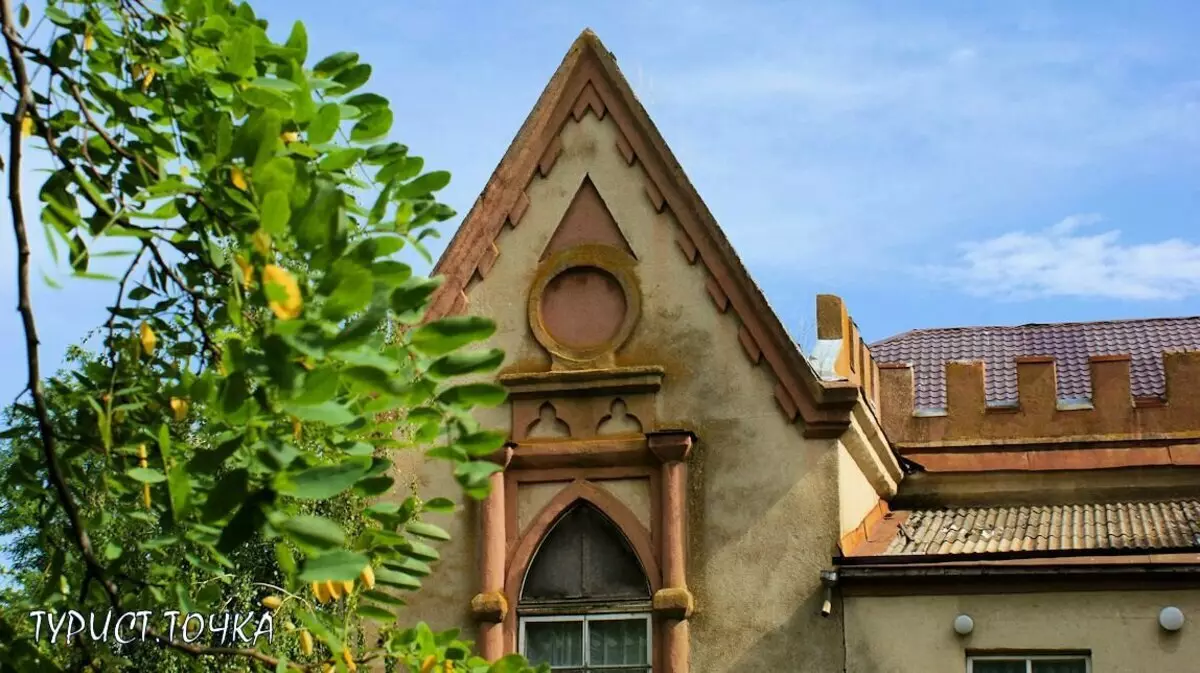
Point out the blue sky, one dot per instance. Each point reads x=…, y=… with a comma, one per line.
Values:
x=1030, y=162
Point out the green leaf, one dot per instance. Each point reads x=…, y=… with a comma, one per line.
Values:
x=448, y=334
x=439, y=505
x=473, y=395
x=333, y=64
x=427, y=530
x=403, y=168
x=423, y=186
x=229, y=491
x=313, y=532
x=268, y=98
x=353, y=77
x=336, y=566
x=375, y=613
x=373, y=486
x=298, y=42
x=275, y=213
x=420, y=550
x=383, y=597
x=374, y=125
x=239, y=56
x=391, y=578
x=320, y=385
x=23, y=15
x=242, y=527
x=340, y=159
x=482, y=443
x=349, y=288
x=324, y=125
x=58, y=17
x=146, y=475
x=326, y=481
x=409, y=566
x=329, y=413
x=473, y=477
x=468, y=362
x=413, y=294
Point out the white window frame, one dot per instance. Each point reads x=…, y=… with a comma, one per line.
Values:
x=1029, y=659
x=583, y=619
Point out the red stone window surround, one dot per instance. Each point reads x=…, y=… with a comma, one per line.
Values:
x=507, y=552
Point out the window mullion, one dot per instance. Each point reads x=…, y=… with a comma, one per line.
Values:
x=586, y=625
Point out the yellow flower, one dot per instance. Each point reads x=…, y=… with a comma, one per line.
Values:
x=289, y=137
x=146, y=495
x=288, y=307
x=272, y=602
x=26, y=126
x=148, y=338
x=89, y=42
x=306, y=642
x=180, y=407
x=238, y=177
x=297, y=429
x=262, y=242
x=427, y=665
x=141, y=453
x=320, y=591
x=348, y=587
x=334, y=589
x=246, y=268
x=349, y=659
x=367, y=577
x=448, y=666
x=147, y=80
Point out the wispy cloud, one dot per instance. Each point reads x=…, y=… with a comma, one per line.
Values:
x=1067, y=260
x=908, y=130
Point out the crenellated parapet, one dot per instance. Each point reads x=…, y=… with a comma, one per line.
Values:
x=840, y=352
x=1038, y=415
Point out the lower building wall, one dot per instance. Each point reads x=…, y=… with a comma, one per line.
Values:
x=915, y=634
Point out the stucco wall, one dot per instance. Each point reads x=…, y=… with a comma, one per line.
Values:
x=856, y=495
x=915, y=633
x=763, y=500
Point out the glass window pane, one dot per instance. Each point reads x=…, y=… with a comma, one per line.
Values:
x=559, y=644
x=1059, y=666
x=618, y=642
x=999, y=666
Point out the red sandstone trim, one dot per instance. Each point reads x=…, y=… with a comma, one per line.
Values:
x=625, y=148
x=518, y=209
x=637, y=535
x=686, y=247
x=588, y=100
x=655, y=195
x=720, y=299
x=550, y=156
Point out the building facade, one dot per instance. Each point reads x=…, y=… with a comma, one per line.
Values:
x=685, y=490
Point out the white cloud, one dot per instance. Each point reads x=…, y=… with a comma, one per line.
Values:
x=900, y=130
x=1067, y=260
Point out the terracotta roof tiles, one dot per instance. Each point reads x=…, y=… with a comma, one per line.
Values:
x=1070, y=344
x=1127, y=525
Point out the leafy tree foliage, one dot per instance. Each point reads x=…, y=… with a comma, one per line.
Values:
x=227, y=444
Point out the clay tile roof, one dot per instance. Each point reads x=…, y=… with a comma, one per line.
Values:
x=1070, y=344
x=1127, y=525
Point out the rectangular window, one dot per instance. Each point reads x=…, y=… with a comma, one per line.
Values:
x=577, y=643
x=1042, y=663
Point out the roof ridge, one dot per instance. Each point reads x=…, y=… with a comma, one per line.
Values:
x=1116, y=321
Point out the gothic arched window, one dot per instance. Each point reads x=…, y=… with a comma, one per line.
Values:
x=585, y=601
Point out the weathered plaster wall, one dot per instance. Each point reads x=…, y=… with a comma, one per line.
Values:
x=914, y=633
x=763, y=500
x=856, y=495
x=633, y=493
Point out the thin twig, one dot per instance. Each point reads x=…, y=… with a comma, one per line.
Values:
x=197, y=310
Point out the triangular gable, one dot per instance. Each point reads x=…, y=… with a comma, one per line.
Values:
x=588, y=80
